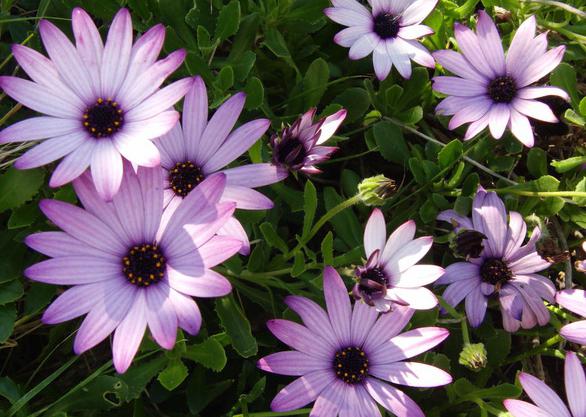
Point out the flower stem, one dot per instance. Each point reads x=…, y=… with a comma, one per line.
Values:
x=581, y=194
x=537, y=350
x=323, y=220
x=462, y=318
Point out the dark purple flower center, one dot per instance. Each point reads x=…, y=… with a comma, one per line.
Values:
x=372, y=283
x=103, y=119
x=289, y=152
x=184, y=177
x=144, y=265
x=387, y=25
x=468, y=243
x=351, y=365
x=495, y=271
x=502, y=89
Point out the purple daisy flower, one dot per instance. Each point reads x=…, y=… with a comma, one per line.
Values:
x=389, y=31
x=547, y=402
x=128, y=271
x=494, y=90
x=390, y=275
x=344, y=356
x=505, y=267
x=298, y=147
x=200, y=148
x=575, y=301
x=102, y=102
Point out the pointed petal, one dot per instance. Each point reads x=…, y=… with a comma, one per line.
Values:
x=116, y=53
x=407, y=345
x=543, y=396
x=291, y=363
x=107, y=169
x=392, y=399
x=375, y=233
x=129, y=334
x=338, y=303
x=302, y=391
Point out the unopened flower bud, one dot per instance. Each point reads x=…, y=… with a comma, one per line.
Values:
x=467, y=243
x=375, y=190
x=473, y=357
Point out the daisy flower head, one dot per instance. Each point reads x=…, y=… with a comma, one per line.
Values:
x=505, y=268
x=496, y=90
x=575, y=301
x=299, y=146
x=100, y=102
x=547, y=402
x=344, y=357
x=198, y=148
x=389, y=30
x=390, y=276
x=126, y=270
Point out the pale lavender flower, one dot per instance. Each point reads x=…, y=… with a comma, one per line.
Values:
x=494, y=90
x=389, y=30
x=128, y=271
x=299, y=147
x=390, y=276
x=102, y=102
x=200, y=148
x=547, y=402
x=344, y=357
x=506, y=268
x=575, y=301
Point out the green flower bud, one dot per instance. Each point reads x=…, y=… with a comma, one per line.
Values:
x=374, y=191
x=473, y=357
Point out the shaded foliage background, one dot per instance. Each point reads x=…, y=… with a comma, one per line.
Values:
x=281, y=53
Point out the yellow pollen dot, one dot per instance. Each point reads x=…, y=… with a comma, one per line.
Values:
x=100, y=100
x=130, y=275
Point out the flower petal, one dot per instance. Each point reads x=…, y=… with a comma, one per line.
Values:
x=387, y=326
x=402, y=236
x=107, y=169
x=129, y=334
x=530, y=93
x=73, y=165
x=74, y=302
x=195, y=118
x=375, y=233
x=348, y=17
x=490, y=43
x=329, y=126
x=498, y=119
x=416, y=298
x=161, y=316
x=543, y=396
x=407, y=345
x=218, y=249
x=542, y=66
x=160, y=101
x=457, y=291
x=575, y=332
x=363, y=46
x=68, y=62
x=573, y=300
x=72, y=270
x=89, y=45
x=470, y=46
x=291, y=363
x=534, y=109
x=408, y=255
x=460, y=87
x=392, y=399
x=417, y=12
x=520, y=44
x=460, y=271
x=116, y=53
x=459, y=65
x=40, y=98
x=187, y=311
x=302, y=391
x=575, y=384
x=208, y=284
x=314, y=318
x=338, y=303
x=363, y=318
x=524, y=409
x=476, y=304
x=418, y=276
x=301, y=338
x=51, y=150
x=412, y=374
x=382, y=61
x=36, y=128
x=521, y=128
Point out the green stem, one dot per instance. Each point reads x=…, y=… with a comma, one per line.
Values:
x=544, y=347
x=462, y=318
x=560, y=5
x=36, y=390
x=323, y=220
x=540, y=193
x=275, y=414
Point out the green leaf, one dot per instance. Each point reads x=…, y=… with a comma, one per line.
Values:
x=470, y=184
x=237, y=326
x=173, y=375
x=256, y=391
x=11, y=291
x=210, y=354
x=309, y=207
x=276, y=43
x=428, y=212
x=545, y=183
x=9, y=390
x=298, y=265
x=356, y=101
x=204, y=40
x=228, y=20
x=17, y=187
x=537, y=162
x=200, y=392
x=418, y=171
x=272, y=237
x=327, y=249
x=564, y=77
x=391, y=142
x=225, y=78
x=568, y=164
x=7, y=318
x=450, y=153
x=315, y=82
x=580, y=187
x=140, y=374
x=23, y=216
x=37, y=297
x=254, y=93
